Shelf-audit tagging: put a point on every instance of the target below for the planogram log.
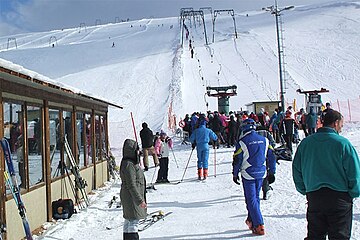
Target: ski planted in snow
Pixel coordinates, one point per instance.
(11, 181)
(151, 219)
(80, 183)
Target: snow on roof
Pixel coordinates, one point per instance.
(20, 69)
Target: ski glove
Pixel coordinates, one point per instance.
(236, 180)
(193, 145)
(271, 178)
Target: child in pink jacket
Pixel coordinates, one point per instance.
(163, 145)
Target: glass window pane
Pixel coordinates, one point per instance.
(80, 142)
(88, 139)
(13, 122)
(35, 132)
(97, 136)
(103, 139)
(55, 142)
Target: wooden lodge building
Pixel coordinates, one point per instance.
(36, 115)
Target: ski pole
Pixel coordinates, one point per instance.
(132, 120)
(214, 162)
(187, 164)
(174, 157)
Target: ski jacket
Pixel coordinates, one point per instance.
(133, 182)
(202, 136)
(250, 156)
(311, 120)
(162, 147)
(326, 159)
(216, 124)
(287, 126)
(147, 138)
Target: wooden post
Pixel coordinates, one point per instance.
(46, 123)
(93, 147)
(26, 144)
(107, 145)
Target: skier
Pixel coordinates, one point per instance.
(250, 159)
(132, 193)
(232, 130)
(326, 168)
(311, 120)
(201, 138)
(287, 128)
(147, 143)
(162, 148)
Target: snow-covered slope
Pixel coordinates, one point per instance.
(147, 72)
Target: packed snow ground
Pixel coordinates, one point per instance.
(147, 72)
(214, 209)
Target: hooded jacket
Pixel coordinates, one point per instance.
(326, 159)
(133, 184)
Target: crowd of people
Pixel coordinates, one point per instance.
(253, 137)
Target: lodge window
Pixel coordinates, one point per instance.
(35, 144)
(103, 139)
(88, 140)
(80, 138)
(13, 126)
(55, 143)
(98, 137)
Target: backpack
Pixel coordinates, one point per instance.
(62, 209)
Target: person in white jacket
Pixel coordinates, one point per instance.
(162, 148)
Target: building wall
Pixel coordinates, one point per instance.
(35, 203)
(101, 173)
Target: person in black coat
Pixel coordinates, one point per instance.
(232, 130)
(287, 129)
(147, 143)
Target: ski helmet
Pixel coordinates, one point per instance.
(248, 125)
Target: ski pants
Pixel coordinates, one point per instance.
(164, 168)
(202, 155)
(131, 226)
(329, 213)
(252, 191)
(151, 151)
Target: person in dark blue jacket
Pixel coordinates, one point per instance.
(249, 159)
(201, 138)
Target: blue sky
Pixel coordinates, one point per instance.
(18, 16)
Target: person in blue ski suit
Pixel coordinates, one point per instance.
(201, 138)
(249, 159)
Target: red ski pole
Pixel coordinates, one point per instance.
(132, 120)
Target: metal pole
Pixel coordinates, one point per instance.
(277, 14)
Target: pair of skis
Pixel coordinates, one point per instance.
(147, 222)
(151, 219)
(80, 183)
(11, 181)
